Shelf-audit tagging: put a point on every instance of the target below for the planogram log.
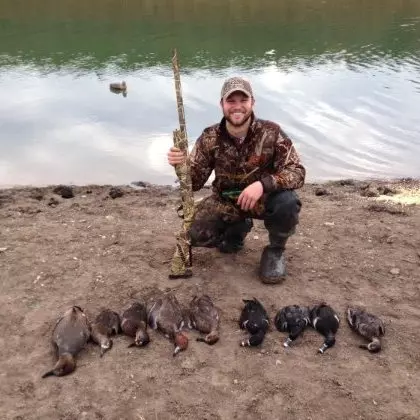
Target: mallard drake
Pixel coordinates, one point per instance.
(205, 317)
(134, 324)
(325, 320)
(292, 319)
(69, 337)
(106, 323)
(167, 315)
(255, 320)
(367, 325)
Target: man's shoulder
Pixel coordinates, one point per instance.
(212, 129)
(266, 124)
(210, 133)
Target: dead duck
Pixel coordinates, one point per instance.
(167, 315)
(325, 320)
(69, 337)
(134, 324)
(292, 319)
(367, 325)
(255, 320)
(106, 323)
(205, 317)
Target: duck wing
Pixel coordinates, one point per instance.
(204, 315)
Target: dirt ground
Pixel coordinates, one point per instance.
(96, 251)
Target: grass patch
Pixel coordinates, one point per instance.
(405, 196)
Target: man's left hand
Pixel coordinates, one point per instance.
(250, 195)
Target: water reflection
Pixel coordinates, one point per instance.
(343, 80)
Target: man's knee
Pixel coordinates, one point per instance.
(282, 203)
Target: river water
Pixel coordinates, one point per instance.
(342, 78)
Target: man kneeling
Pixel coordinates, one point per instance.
(256, 170)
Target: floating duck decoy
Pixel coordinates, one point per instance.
(167, 315)
(292, 319)
(134, 324)
(368, 326)
(118, 88)
(69, 337)
(325, 320)
(254, 319)
(107, 323)
(205, 317)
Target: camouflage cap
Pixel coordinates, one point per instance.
(235, 84)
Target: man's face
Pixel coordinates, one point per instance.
(237, 108)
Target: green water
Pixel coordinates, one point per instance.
(342, 78)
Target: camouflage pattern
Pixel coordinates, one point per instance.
(182, 260)
(267, 154)
(215, 207)
(235, 84)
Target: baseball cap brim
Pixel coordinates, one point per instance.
(238, 89)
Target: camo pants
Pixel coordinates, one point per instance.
(217, 218)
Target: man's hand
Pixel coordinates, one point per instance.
(175, 156)
(250, 195)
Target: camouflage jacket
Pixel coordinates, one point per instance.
(266, 154)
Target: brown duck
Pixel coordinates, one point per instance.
(367, 325)
(205, 317)
(166, 315)
(106, 324)
(70, 335)
(134, 324)
(122, 87)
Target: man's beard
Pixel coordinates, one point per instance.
(240, 124)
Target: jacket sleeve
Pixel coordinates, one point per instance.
(289, 173)
(201, 161)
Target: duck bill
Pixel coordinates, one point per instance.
(323, 348)
(287, 342)
(49, 373)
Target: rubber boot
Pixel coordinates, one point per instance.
(234, 236)
(273, 262)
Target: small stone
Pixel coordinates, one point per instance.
(3, 249)
(368, 192)
(235, 381)
(256, 237)
(395, 271)
(64, 190)
(321, 191)
(374, 402)
(278, 362)
(141, 184)
(390, 239)
(53, 202)
(346, 182)
(115, 192)
(329, 224)
(386, 191)
(109, 217)
(364, 185)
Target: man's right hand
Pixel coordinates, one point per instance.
(175, 156)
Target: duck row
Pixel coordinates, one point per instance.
(294, 319)
(164, 313)
(73, 330)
